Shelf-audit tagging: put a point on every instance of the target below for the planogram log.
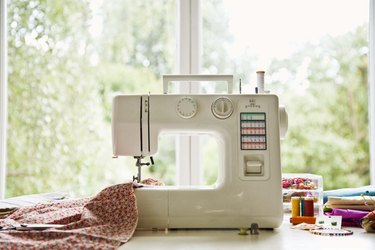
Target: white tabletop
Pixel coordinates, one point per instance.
(281, 238)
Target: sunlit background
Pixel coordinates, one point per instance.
(67, 59)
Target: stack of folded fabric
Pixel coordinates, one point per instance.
(355, 205)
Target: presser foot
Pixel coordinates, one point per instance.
(139, 164)
(135, 179)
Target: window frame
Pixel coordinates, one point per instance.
(371, 86)
(188, 58)
(3, 95)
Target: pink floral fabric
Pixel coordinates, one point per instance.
(102, 222)
(152, 182)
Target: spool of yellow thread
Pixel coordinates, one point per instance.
(295, 206)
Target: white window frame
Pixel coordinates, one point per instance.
(3, 95)
(189, 54)
(189, 171)
(371, 85)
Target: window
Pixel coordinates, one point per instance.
(317, 65)
(67, 59)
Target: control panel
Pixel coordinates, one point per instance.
(253, 131)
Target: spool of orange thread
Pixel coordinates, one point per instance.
(309, 206)
(295, 206)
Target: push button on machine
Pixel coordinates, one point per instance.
(254, 167)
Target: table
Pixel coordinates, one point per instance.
(280, 238)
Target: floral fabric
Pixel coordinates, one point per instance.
(102, 222)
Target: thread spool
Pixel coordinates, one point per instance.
(308, 206)
(302, 206)
(260, 81)
(295, 206)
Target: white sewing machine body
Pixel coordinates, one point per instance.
(248, 189)
(248, 128)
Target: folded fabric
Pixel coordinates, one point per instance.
(365, 203)
(344, 192)
(102, 222)
(8, 205)
(29, 200)
(350, 218)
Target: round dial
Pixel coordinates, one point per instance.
(187, 107)
(222, 107)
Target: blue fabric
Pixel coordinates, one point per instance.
(344, 192)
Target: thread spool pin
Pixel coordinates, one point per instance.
(260, 81)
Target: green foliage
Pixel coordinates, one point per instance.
(215, 37)
(62, 77)
(52, 101)
(324, 87)
(211, 160)
(147, 37)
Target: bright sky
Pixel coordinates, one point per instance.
(273, 28)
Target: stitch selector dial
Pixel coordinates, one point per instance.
(222, 107)
(187, 107)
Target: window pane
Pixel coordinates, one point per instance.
(66, 61)
(315, 57)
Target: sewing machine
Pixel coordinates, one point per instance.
(248, 188)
